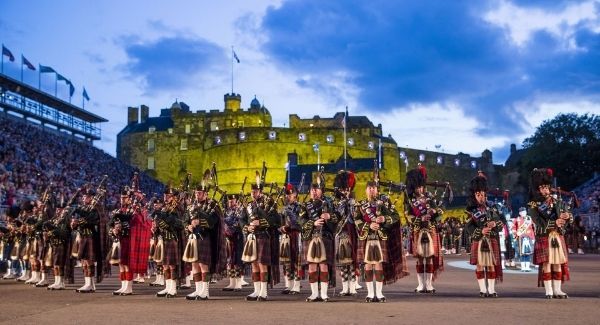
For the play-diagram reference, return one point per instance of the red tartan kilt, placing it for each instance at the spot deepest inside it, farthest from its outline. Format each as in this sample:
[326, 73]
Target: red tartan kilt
[58, 255]
[124, 253]
[494, 249]
[362, 244]
[204, 250]
[436, 242]
[542, 248]
[263, 249]
[86, 248]
[172, 255]
[329, 244]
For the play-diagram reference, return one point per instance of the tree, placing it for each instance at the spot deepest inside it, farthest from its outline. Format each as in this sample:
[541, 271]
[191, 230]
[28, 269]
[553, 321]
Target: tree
[569, 144]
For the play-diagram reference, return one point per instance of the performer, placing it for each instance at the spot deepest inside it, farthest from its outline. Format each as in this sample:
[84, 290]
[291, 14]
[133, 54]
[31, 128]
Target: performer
[8, 242]
[346, 234]
[205, 247]
[289, 243]
[155, 256]
[484, 224]
[168, 226]
[525, 234]
[124, 232]
[234, 218]
[46, 210]
[426, 218]
[380, 241]
[576, 234]
[550, 216]
[23, 236]
[85, 221]
[260, 248]
[318, 220]
[58, 234]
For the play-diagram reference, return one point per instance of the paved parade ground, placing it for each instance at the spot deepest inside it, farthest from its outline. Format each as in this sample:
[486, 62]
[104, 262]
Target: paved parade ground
[456, 301]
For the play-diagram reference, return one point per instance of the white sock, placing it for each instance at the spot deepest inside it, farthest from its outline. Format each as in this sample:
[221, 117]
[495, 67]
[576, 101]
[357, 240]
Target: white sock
[324, 291]
[263, 289]
[344, 287]
[286, 282]
[296, 286]
[352, 286]
[491, 286]
[256, 289]
[481, 283]
[420, 280]
[314, 291]
[370, 290]
[429, 281]
[378, 289]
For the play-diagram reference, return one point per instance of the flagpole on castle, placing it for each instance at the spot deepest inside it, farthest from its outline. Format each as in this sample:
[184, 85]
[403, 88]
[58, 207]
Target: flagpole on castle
[345, 140]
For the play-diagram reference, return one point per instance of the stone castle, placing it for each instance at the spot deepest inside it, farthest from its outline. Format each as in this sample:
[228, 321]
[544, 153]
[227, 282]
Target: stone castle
[238, 140]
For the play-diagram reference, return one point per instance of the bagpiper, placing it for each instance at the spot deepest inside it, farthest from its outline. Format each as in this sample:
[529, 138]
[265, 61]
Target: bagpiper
[346, 234]
[168, 226]
[551, 216]
[380, 241]
[289, 242]
[425, 216]
[234, 218]
[260, 248]
[524, 232]
[205, 248]
[484, 224]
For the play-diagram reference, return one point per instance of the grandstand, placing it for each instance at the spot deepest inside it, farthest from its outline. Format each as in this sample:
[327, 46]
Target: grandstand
[44, 139]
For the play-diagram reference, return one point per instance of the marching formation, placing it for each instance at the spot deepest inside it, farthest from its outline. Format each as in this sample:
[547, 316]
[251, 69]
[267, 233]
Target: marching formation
[198, 234]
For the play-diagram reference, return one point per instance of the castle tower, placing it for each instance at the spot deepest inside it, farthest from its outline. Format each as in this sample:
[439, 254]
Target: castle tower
[233, 102]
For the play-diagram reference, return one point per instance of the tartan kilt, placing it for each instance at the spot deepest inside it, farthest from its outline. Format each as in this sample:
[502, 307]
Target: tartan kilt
[172, 255]
[59, 255]
[541, 249]
[494, 250]
[42, 247]
[329, 244]
[362, 244]
[235, 247]
[263, 248]
[435, 236]
[86, 248]
[124, 253]
[350, 231]
[204, 250]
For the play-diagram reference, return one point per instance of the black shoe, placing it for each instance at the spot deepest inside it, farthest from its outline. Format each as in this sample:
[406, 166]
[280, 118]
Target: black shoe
[161, 295]
[312, 300]
[325, 300]
[227, 289]
[191, 297]
[565, 296]
[40, 285]
[285, 291]
[259, 298]
[482, 294]
[115, 293]
[548, 296]
[493, 295]
[382, 299]
[250, 298]
[201, 298]
[127, 294]
[170, 295]
[369, 299]
[292, 292]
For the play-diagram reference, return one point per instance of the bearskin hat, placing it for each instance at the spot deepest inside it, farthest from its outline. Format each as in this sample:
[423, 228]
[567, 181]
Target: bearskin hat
[539, 177]
[170, 190]
[415, 178]
[344, 180]
[232, 196]
[478, 183]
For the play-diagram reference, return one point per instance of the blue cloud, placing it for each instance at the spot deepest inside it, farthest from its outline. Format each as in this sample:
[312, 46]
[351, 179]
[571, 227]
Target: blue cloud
[403, 52]
[169, 62]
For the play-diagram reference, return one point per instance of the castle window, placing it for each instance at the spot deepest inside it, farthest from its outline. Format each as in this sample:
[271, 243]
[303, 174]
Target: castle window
[170, 130]
[301, 136]
[272, 135]
[330, 138]
[473, 164]
[371, 145]
[188, 129]
[242, 136]
[421, 157]
[217, 140]
[151, 163]
[456, 162]
[151, 145]
[151, 130]
[350, 141]
[184, 144]
[439, 160]
[214, 125]
[402, 155]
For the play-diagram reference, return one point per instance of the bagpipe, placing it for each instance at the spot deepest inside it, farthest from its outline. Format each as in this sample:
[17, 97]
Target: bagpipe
[98, 196]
